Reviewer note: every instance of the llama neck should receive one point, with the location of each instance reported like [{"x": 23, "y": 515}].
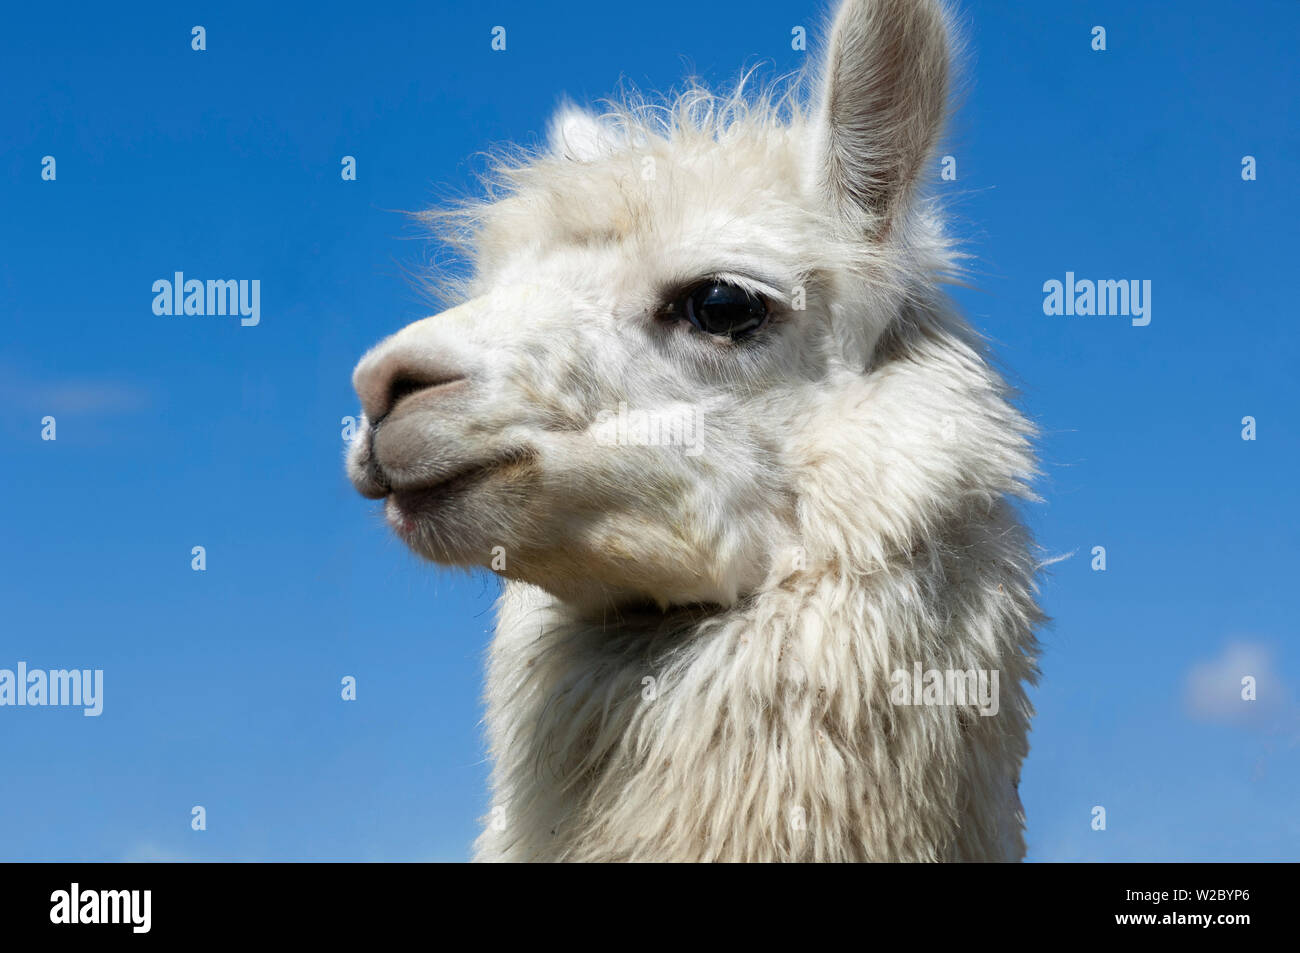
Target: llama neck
[{"x": 767, "y": 731}]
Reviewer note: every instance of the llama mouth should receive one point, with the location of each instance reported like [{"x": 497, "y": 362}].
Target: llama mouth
[
  {"x": 407, "y": 505},
  {"x": 412, "y": 500}
]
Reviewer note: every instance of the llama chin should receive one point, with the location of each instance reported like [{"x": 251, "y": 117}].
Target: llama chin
[{"x": 707, "y": 410}]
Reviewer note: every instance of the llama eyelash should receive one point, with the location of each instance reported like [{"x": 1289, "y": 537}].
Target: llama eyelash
[
  {"x": 726, "y": 311},
  {"x": 765, "y": 288}
]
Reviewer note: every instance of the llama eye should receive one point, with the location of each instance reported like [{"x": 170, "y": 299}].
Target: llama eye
[{"x": 716, "y": 307}]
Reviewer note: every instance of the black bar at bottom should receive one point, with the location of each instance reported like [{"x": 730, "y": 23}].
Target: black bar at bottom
[{"x": 335, "y": 902}]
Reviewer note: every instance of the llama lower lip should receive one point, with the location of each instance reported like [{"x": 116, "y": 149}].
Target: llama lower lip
[{"x": 406, "y": 504}]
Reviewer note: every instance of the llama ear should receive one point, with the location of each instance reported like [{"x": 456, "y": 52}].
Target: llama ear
[
  {"x": 883, "y": 103},
  {"x": 576, "y": 134}
]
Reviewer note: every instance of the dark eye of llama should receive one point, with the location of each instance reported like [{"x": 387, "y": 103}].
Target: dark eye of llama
[{"x": 716, "y": 307}]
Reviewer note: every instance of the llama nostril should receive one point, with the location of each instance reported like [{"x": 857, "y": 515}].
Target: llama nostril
[
  {"x": 401, "y": 387},
  {"x": 407, "y": 384}
]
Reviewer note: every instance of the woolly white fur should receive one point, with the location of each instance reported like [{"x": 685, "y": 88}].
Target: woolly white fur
[{"x": 693, "y": 654}]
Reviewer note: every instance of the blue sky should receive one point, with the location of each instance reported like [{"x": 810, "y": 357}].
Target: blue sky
[{"x": 222, "y": 687}]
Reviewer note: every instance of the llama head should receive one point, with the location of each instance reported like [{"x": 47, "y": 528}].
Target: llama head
[{"x": 668, "y": 333}]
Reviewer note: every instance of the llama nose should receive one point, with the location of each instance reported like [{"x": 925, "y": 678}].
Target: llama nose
[{"x": 384, "y": 379}]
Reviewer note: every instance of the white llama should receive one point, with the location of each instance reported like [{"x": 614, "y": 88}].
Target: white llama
[{"x": 698, "y": 641}]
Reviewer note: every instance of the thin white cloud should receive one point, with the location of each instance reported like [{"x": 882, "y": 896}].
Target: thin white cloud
[
  {"x": 71, "y": 395},
  {"x": 1214, "y": 689},
  {"x": 151, "y": 854}
]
